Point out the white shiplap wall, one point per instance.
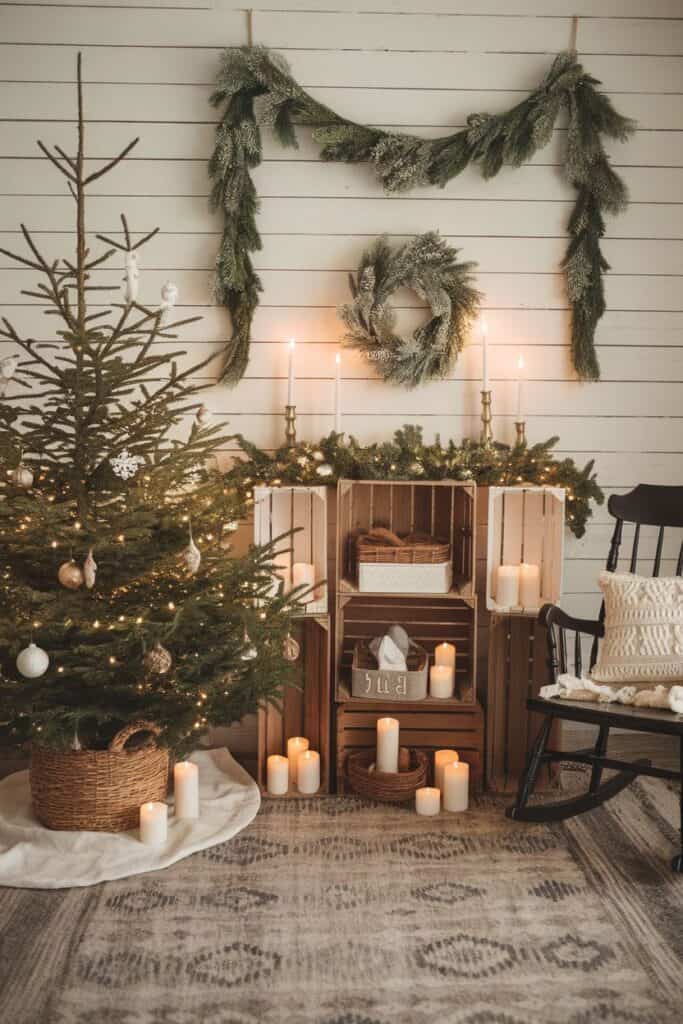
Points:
(149, 66)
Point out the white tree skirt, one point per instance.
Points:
(35, 857)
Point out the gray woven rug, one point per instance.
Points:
(341, 912)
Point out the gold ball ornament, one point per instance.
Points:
(291, 649)
(158, 661)
(22, 476)
(70, 575)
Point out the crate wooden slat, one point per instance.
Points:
(442, 509)
(517, 671)
(427, 620)
(526, 524)
(421, 726)
(305, 709)
(279, 510)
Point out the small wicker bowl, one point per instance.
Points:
(387, 787)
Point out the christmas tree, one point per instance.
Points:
(119, 597)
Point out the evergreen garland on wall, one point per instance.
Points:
(255, 88)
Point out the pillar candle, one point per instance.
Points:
(153, 823)
(484, 356)
(295, 746)
(303, 574)
(441, 759)
(337, 395)
(428, 800)
(186, 789)
(308, 772)
(277, 775)
(507, 586)
(456, 780)
(290, 376)
(441, 681)
(529, 585)
(444, 654)
(387, 745)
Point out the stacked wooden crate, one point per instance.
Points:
(446, 510)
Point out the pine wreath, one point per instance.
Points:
(429, 267)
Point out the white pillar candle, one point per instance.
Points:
(529, 585)
(303, 575)
(153, 823)
(337, 395)
(444, 654)
(387, 745)
(308, 772)
(277, 775)
(186, 789)
(456, 781)
(290, 375)
(441, 681)
(484, 355)
(520, 390)
(441, 759)
(507, 586)
(428, 800)
(295, 745)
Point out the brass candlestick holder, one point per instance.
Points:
(486, 435)
(520, 428)
(290, 425)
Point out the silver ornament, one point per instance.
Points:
(192, 556)
(291, 649)
(249, 652)
(22, 476)
(70, 575)
(126, 465)
(8, 367)
(158, 661)
(89, 570)
(33, 661)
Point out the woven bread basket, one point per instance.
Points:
(387, 787)
(99, 790)
(415, 549)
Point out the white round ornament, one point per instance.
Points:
(22, 476)
(70, 575)
(33, 661)
(158, 660)
(324, 469)
(89, 570)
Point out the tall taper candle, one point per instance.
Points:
(520, 389)
(484, 355)
(337, 395)
(290, 378)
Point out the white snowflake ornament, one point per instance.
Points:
(126, 465)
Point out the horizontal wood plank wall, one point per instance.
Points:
(149, 70)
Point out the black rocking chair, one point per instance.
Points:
(646, 505)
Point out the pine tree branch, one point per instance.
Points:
(53, 159)
(112, 163)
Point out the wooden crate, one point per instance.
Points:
(305, 707)
(526, 524)
(423, 725)
(442, 509)
(517, 671)
(279, 510)
(427, 620)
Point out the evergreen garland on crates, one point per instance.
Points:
(407, 457)
(255, 87)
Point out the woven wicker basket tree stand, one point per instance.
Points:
(99, 790)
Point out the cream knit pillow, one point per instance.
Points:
(643, 630)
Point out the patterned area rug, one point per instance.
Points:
(342, 912)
